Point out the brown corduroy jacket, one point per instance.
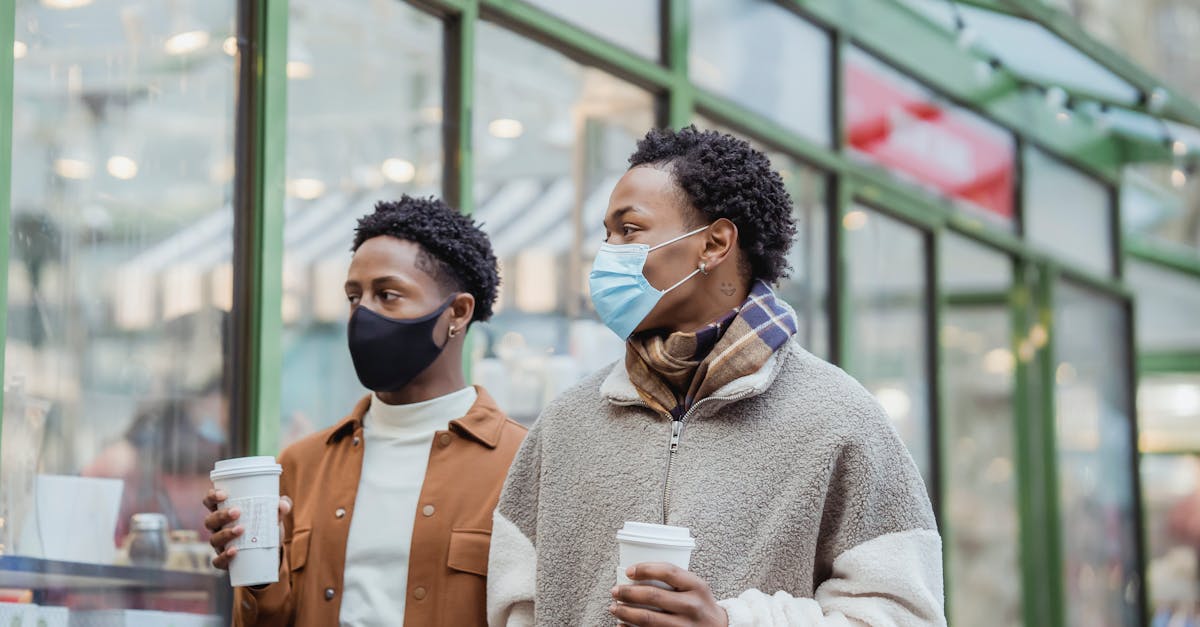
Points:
(447, 568)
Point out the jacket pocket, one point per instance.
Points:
(298, 550)
(469, 551)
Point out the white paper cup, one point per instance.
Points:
(252, 484)
(639, 543)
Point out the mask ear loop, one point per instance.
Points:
(683, 280)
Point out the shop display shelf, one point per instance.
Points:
(41, 574)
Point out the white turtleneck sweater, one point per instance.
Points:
(396, 441)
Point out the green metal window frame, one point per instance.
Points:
(928, 56)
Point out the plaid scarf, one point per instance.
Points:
(673, 372)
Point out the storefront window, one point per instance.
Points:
(1167, 306)
(552, 137)
(807, 288)
(364, 124)
(1068, 213)
(889, 317)
(978, 369)
(1095, 454)
(893, 121)
(633, 24)
(766, 58)
(118, 287)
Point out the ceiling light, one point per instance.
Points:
(20, 50)
(230, 46)
(122, 167)
(66, 4)
(855, 220)
(398, 170)
(305, 188)
(1178, 177)
(73, 168)
(186, 42)
(1179, 148)
(299, 70)
(506, 128)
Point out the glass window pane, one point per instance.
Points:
(552, 137)
(1168, 307)
(118, 276)
(1095, 476)
(978, 369)
(766, 58)
(364, 125)
(1171, 505)
(888, 317)
(806, 290)
(1068, 213)
(633, 24)
(895, 122)
(1161, 203)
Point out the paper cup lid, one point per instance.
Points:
(244, 467)
(658, 535)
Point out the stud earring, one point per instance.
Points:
(704, 268)
(453, 332)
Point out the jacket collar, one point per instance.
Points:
(618, 389)
(483, 422)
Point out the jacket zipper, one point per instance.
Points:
(677, 433)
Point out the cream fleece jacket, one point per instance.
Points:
(806, 507)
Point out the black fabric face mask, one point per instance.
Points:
(390, 352)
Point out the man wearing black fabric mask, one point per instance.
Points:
(392, 510)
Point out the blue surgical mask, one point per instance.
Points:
(620, 292)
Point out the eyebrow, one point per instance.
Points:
(622, 212)
(379, 281)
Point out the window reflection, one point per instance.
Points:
(364, 124)
(119, 281)
(633, 24)
(889, 348)
(978, 369)
(766, 58)
(552, 137)
(1068, 212)
(1094, 436)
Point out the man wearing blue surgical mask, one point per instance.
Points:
(388, 514)
(804, 505)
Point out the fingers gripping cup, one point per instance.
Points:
(252, 484)
(639, 543)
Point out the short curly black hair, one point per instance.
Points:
(722, 176)
(455, 251)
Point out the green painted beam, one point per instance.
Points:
(1047, 431)
(1174, 362)
(1037, 570)
(260, 195)
(681, 104)
(8, 20)
(459, 108)
(1186, 262)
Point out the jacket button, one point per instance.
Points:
(329, 594)
(445, 439)
(427, 510)
(340, 513)
(419, 593)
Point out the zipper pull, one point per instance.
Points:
(676, 431)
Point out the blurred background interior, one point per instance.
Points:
(999, 235)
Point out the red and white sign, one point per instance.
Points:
(900, 127)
